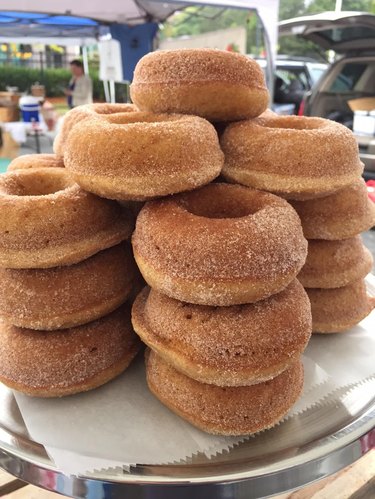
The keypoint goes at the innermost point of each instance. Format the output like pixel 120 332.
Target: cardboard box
pixel 9 113
pixel 9 148
pixel 362 104
pixel 364 115
pixel 10 97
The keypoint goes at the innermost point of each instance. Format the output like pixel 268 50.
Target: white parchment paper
pixel 122 423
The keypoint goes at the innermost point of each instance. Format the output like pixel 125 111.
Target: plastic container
pixel 30 107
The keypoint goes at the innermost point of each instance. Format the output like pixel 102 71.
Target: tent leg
pixel 270 69
pixel 85 59
pixel 106 90
pixel 112 91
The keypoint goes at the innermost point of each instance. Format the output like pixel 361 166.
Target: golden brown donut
pixel 219 245
pixel 333 264
pixel 62 297
pixel 59 363
pixel 226 346
pixel 47 220
pixel 137 156
pixel 214 84
pixel 341 215
pixel 80 113
pixel 294 156
pixel 36 161
pixel 235 410
pixel 335 310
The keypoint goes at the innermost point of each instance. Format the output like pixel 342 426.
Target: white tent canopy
pixel 138 11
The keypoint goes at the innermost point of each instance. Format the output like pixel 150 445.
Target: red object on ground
pixel 301 108
pixel 371 189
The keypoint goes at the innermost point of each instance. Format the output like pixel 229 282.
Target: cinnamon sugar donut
pixel 80 113
pixel 226 346
pixel 137 156
pixel 293 156
pixel 59 363
pixel 335 310
pixel 47 220
pixel 353 213
pixel 239 410
pixel 215 84
pixel 36 161
pixel 68 296
pixel 219 245
pixel 333 264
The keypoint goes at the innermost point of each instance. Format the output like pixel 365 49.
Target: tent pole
pixel 112 91
pixel 106 90
pixel 270 68
pixel 85 60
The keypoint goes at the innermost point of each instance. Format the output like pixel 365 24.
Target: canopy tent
pixel 83 19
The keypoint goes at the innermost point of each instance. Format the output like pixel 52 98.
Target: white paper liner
pixel 347 357
pixel 122 423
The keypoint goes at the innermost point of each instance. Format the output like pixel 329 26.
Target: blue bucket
pixel 29 108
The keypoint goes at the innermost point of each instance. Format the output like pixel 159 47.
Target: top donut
pixel 214 84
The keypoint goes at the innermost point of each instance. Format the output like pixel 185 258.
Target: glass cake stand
pixel 315 443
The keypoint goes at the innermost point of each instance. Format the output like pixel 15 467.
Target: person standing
pixel 79 90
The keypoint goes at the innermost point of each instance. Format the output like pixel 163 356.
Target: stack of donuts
pixel 66 272
pixel 223 315
pixel 314 164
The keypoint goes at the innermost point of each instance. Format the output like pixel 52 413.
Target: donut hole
pixel 293 123
pixel 35 183
pixel 222 201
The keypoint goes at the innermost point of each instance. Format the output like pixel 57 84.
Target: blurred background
pixel 318 57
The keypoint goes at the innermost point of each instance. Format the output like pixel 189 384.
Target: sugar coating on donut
pixel 214 84
pixel 297 157
pixel 141 155
pixel 257 241
pixel 338 309
pixel 333 264
pixel 224 410
pixel 36 161
pixel 82 113
pixel 227 346
pixel 318 222
pixel 198 65
pixel 67 296
pixel 50 363
pixel 48 220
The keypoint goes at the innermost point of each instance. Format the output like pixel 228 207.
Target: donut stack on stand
pixel 314 164
pixel 224 316
pixel 66 271
pixel 337 260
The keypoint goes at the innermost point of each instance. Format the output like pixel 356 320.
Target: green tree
pixel 196 20
pixel 291 8
pixel 317 6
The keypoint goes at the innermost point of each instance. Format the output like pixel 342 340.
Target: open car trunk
pixel 343 32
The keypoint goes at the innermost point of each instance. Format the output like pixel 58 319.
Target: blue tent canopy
pixel 21 24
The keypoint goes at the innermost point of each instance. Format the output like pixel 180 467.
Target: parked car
pixel 294 76
pixel 351 76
